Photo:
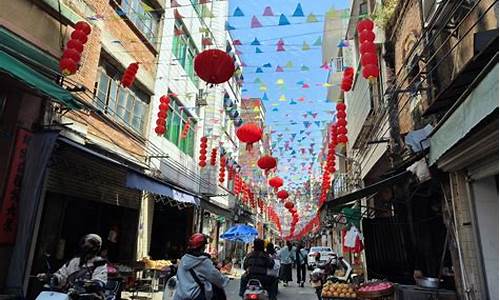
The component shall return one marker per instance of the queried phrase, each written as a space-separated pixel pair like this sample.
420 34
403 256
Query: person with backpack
301 260
197 277
256 266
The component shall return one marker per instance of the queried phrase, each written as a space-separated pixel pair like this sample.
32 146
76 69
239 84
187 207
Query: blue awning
148 184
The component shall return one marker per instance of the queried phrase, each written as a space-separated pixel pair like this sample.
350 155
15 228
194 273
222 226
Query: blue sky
286 118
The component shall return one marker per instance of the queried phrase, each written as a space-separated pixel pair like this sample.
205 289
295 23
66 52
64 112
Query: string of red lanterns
203 152
162 115
70 60
368 49
341 123
222 169
129 75
347 79
249 133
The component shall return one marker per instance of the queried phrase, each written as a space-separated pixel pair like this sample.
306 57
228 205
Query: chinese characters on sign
10 204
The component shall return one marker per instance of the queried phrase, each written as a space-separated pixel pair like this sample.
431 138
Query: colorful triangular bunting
298 11
255 42
283 20
255 22
318 42
305 46
311 18
238 12
268 12
257 50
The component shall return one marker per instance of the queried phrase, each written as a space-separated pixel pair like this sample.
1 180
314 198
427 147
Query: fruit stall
381 290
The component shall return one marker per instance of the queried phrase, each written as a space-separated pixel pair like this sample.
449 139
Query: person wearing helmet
198 278
86 266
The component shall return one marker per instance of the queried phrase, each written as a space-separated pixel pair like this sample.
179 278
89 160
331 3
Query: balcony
344 183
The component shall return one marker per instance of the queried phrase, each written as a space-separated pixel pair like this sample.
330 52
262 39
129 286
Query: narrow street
292 292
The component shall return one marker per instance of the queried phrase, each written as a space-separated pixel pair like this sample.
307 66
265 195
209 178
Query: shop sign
10 205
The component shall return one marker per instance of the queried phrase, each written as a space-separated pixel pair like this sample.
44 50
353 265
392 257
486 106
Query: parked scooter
255 291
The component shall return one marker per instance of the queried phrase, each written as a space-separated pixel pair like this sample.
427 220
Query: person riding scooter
197 277
256 264
87 268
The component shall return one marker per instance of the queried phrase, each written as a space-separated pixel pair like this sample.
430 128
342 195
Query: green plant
384 13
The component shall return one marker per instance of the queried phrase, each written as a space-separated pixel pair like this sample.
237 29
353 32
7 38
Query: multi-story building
430 142
89 142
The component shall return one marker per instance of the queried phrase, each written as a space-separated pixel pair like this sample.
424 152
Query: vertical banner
9 212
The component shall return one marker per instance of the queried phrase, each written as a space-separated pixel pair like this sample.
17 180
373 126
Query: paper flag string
264 97
268 12
255 42
280 48
279 69
289 64
305 86
325 66
206 42
259 70
275 109
327 84
237 43
298 11
300 82
257 80
304 68
174 3
280 82
311 18
207 13
331 13
293 102
280 42
263 88
177 15
305 46
318 42
282 98
268 65
257 50
238 12
229 27
283 20
255 22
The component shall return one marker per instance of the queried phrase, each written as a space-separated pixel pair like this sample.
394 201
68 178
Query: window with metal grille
142 15
177 118
184 49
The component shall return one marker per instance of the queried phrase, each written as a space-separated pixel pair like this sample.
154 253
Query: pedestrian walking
274 273
287 259
301 261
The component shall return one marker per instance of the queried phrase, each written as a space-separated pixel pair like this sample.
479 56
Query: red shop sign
10 204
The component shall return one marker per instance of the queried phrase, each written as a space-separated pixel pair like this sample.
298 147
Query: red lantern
185 130
75 44
289 205
367 47
276 183
369 58
365 24
341 122
341 106
267 163
249 133
83 26
342 139
68 66
282 195
214 66
72 54
366 36
79 35
341 114
129 75
370 71
349 72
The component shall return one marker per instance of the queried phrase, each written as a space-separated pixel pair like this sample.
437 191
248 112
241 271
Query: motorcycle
78 288
255 291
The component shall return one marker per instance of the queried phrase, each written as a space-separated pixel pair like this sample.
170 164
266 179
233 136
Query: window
363 9
143 16
176 121
185 51
129 106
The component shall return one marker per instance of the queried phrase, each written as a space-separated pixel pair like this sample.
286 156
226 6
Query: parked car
325 252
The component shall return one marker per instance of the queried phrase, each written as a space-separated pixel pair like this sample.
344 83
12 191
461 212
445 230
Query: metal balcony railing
345 183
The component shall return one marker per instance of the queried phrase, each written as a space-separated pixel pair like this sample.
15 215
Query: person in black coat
256 264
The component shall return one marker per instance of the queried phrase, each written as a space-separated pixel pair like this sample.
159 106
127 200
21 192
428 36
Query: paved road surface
292 292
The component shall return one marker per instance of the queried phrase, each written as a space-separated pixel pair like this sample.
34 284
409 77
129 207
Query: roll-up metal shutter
78 174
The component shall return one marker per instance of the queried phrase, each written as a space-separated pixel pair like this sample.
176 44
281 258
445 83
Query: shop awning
367 191
152 185
35 80
481 102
